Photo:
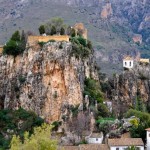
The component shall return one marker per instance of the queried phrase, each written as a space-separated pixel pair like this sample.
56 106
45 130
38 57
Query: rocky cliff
44 80
129 87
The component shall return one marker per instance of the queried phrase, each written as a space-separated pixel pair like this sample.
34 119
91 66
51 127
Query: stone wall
32 40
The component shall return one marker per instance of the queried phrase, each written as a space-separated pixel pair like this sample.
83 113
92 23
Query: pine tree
16 36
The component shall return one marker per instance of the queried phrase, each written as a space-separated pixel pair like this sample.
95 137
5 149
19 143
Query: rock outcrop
44 80
129 86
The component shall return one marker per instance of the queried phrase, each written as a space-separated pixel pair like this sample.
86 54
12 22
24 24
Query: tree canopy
39 140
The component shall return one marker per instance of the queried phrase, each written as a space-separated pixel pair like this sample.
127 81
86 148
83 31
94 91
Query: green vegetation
53 30
39 140
138 131
80 48
42 29
133 148
54 26
16 44
93 90
16 122
62 31
140 106
105 120
22 79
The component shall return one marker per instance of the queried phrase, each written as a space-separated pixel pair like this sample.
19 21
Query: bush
22 79
82 41
79 47
42 29
41 43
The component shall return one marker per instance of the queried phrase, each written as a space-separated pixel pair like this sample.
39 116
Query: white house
128 62
148 138
124 143
95 138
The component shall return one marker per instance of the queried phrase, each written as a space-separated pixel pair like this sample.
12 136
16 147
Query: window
130 63
117 148
125 63
96 139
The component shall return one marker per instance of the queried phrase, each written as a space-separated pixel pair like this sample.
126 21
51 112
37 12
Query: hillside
111 24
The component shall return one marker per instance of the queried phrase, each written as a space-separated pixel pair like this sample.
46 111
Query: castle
79 28
33 39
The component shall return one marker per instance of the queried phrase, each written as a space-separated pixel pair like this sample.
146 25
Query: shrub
51 41
22 79
82 41
41 43
42 29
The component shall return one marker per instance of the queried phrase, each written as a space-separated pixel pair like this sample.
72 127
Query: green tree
103 110
39 140
16 36
62 31
53 30
42 29
57 22
12 48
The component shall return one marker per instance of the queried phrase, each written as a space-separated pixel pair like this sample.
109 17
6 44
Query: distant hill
111 24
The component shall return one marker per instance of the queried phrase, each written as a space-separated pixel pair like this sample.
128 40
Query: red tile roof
94 147
125 142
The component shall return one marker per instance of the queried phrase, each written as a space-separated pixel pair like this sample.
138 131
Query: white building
95 138
124 143
148 138
128 62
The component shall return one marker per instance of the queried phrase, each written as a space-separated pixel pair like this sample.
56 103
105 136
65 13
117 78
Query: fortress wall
34 39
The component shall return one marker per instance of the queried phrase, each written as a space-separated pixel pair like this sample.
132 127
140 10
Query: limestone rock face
44 80
129 86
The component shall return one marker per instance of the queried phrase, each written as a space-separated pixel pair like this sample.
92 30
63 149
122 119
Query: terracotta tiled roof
68 148
127 58
96 135
148 129
125 142
94 147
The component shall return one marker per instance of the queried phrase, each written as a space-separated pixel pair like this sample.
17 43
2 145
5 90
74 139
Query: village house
124 143
148 138
128 62
95 138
